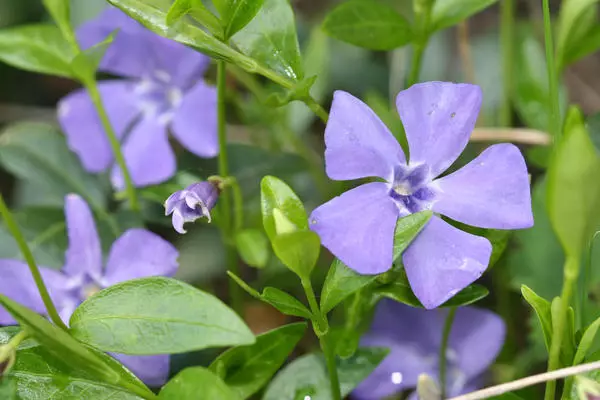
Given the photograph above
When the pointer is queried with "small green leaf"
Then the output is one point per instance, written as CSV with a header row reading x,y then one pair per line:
x,y
239,14
446,13
190,382
85,64
60,345
588,44
307,375
299,251
573,190
567,346
253,247
407,229
183,317
276,194
282,224
576,20
368,24
36,48
197,10
340,283
246,369
542,309
586,342
270,38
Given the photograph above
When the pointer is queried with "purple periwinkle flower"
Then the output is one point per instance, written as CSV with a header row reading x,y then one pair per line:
x,y
414,337
492,191
163,91
191,203
135,254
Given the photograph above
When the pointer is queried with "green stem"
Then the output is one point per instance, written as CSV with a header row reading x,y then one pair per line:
x,y
92,88
444,348
571,273
317,109
238,204
417,59
555,125
228,230
334,379
507,27
37,276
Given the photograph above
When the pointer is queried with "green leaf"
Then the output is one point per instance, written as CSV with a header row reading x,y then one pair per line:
x,y
340,283
253,247
299,251
85,64
61,14
246,369
576,19
407,229
59,344
276,194
307,375
446,13
573,190
179,318
239,14
190,382
279,299
197,10
270,38
542,309
38,153
36,48
586,342
588,44
368,24
568,346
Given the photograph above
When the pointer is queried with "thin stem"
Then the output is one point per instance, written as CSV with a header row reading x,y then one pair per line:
x,y
92,88
555,124
507,27
317,109
415,68
528,381
16,340
444,348
334,380
37,276
571,272
228,230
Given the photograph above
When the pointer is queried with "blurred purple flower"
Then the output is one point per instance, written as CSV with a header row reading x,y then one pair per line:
x,y
137,253
414,338
490,192
191,203
163,92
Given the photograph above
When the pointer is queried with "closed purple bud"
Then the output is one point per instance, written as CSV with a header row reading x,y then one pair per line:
x,y
191,203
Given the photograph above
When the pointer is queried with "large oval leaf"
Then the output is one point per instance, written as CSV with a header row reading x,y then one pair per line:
x,y
157,316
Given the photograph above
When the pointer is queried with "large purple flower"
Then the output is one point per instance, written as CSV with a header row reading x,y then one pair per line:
x,y
137,253
490,192
414,338
164,90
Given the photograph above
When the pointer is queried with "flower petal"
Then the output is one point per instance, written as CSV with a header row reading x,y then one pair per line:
x,y
195,121
477,337
492,191
139,253
442,260
81,124
18,284
358,227
354,130
84,255
152,370
438,118
148,155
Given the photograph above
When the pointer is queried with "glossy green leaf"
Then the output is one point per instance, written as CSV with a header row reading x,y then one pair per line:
x,y
586,342
573,190
270,38
576,19
191,382
407,229
307,375
39,154
36,48
197,10
246,369
181,317
85,64
62,346
277,194
61,13
369,24
279,299
253,247
239,14
446,13
542,309
340,283
299,251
